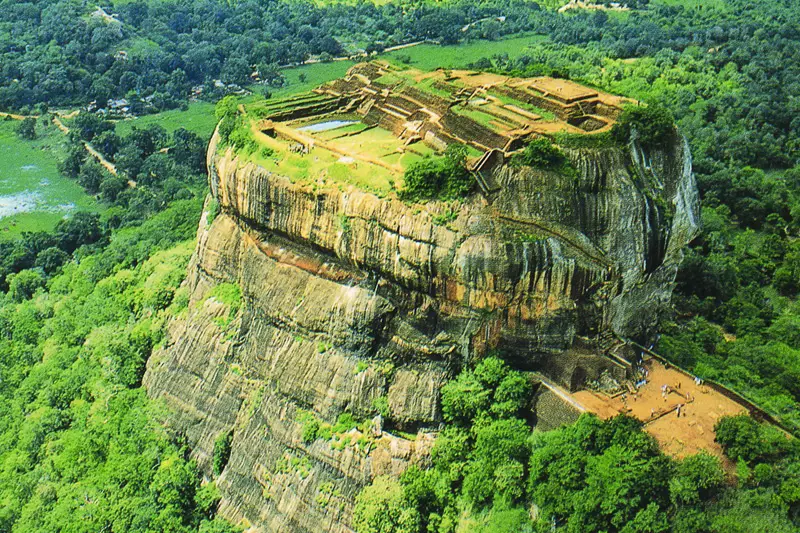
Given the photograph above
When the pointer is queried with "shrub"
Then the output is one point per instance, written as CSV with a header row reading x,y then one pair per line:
x,y
241,138
381,404
228,294
213,210
540,153
222,452
226,107
653,125
345,423
310,430
442,178
23,285
226,127
26,129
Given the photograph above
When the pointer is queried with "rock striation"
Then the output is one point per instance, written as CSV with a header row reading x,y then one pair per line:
x,y
355,303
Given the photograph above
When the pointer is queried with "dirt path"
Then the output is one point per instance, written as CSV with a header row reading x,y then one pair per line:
x,y
18,117
100,158
60,125
108,165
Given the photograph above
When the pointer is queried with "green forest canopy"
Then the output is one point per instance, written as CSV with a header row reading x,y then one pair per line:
x,y
729,72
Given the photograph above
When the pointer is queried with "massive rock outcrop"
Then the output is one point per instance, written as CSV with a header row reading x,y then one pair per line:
x,y
351,302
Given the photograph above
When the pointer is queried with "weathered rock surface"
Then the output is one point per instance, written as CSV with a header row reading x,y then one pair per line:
x,y
349,299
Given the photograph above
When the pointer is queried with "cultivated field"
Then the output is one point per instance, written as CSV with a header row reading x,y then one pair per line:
x,y
199,118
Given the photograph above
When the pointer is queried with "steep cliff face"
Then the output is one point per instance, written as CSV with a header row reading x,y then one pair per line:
x,y
352,303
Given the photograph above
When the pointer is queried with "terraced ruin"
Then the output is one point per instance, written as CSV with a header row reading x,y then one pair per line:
x,y
370,125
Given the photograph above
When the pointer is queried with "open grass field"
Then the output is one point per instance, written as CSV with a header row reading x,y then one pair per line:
x,y
700,5
313,75
199,118
33,195
432,56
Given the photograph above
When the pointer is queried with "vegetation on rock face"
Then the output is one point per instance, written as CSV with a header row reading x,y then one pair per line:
x,y
651,125
222,452
234,128
438,178
542,154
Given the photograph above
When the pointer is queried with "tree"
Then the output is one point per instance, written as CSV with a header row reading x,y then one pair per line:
x,y
71,165
652,124
540,153
83,228
698,477
91,175
23,285
382,508
50,260
89,125
497,468
26,129
107,143
443,178
112,187
226,107
189,149
741,437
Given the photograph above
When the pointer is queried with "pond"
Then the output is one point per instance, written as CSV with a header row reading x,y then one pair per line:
x,y
326,126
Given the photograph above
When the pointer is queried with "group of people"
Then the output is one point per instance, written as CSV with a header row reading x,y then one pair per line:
x,y
642,378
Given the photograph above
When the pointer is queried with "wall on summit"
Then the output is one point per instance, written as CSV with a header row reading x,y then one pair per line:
x,y
352,303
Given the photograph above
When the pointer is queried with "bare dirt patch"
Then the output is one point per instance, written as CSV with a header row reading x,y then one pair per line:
x,y
678,436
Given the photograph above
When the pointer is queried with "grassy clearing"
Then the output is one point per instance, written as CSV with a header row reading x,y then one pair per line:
x,y
428,85
704,5
313,76
477,115
546,115
321,165
33,195
139,46
199,118
431,56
